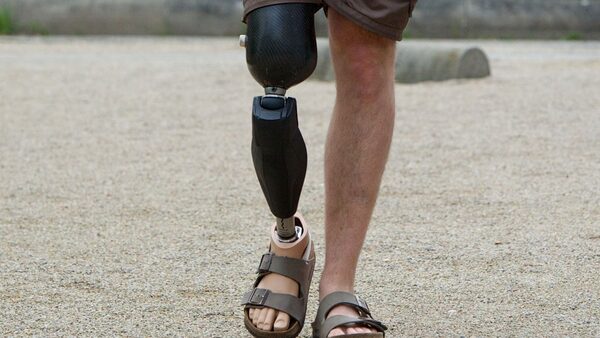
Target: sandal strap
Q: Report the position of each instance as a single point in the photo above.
(337, 321)
(340, 297)
(297, 269)
(289, 304)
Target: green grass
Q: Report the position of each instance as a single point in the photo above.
(6, 24)
(35, 28)
(573, 36)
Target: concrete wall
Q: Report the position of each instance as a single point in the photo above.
(507, 18)
(156, 17)
(432, 18)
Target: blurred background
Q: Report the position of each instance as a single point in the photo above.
(511, 19)
(129, 204)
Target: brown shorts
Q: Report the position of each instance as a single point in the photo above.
(384, 17)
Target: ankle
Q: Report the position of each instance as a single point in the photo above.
(290, 249)
(330, 285)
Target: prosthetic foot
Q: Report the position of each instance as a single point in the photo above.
(276, 305)
(280, 52)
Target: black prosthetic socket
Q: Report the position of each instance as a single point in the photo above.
(279, 154)
(281, 50)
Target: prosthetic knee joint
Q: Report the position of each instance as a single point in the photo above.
(281, 52)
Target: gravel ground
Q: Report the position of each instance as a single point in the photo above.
(129, 205)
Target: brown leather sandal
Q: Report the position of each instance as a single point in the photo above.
(322, 327)
(301, 271)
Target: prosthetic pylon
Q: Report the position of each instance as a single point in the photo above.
(280, 52)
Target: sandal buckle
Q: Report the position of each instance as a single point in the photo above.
(363, 304)
(265, 263)
(258, 296)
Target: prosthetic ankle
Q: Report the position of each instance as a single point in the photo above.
(280, 52)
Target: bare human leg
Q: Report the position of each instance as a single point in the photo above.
(357, 147)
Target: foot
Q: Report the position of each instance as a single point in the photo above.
(330, 283)
(350, 312)
(270, 319)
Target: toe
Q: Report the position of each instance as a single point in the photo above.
(356, 330)
(255, 317)
(261, 318)
(336, 332)
(282, 321)
(352, 330)
(269, 319)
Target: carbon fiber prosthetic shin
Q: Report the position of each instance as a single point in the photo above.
(281, 52)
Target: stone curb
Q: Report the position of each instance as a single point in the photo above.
(418, 62)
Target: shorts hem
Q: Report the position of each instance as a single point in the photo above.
(366, 22)
(264, 3)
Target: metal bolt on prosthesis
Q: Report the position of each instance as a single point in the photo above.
(287, 230)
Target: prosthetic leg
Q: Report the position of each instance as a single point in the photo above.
(280, 52)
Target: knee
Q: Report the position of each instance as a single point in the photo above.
(365, 71)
